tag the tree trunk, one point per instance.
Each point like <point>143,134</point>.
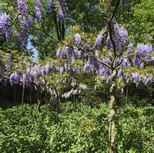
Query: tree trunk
<point>23,93</point>
<point>111,116</point>
<point>39,100</point>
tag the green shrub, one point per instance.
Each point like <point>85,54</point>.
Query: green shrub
<point>77,129</point>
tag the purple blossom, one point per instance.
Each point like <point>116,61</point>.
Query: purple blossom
<point>56,68</point>
<point>59,53</point>
<point>98,41</point>
<point>86,47</point>
<point>89,67</point>
<point>29,75</point>
<point>106,60</point>
<point>125,63</point>
<point>61,15</point>
<point>8,67</point>
<point>119,73</point>
<point>18,38</point>
<point>29,22</point>
<point>104,71</point>
<point>136,77</point>
<point>19,73</point>
<point>28,72</point>
<point>119,36</point>
<point>76,53</point>
<point>24,80</point>
<point>38,13</point>
<point>36,73</point>
<point>129,49</point>
<point>61,69</point>
<point>5,25</point>
<point>62,10</point>
<point>42,72</point>
<point>141,66</point>
<point>22,6</point>
<point>137,59</point>
<point>37,3</point>
<point>49,3</point>
<point>47,68</point>
<point>8,33</point>
<point>142,50</point>
<point>69,52</point>
<point>14,78</point>
<point>77,39</point>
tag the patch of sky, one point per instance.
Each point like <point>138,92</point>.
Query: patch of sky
<point>32,48</point>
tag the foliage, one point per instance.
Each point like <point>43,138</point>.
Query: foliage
<point>136,132</point>
<point>77,128</point>
<point>140,23</point>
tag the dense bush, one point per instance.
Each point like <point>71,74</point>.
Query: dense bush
<point>75,129</point>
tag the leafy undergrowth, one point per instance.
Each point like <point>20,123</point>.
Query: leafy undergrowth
<point>77,129</point>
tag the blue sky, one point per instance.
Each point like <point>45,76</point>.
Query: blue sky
<point>33,49</point>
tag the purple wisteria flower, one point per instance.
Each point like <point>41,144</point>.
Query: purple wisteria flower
<point>61,15</point>
<point>37,11</point>
<point>14,78</point>
<point>136,78</point>
<point>22,6</point>
<point>98,41</point>
<point>47,68</point>
<point>59,53</point>
<point>69,52</point>
<point>37,74</point>
<point>119,36</point>
<point>89,67</point>
<point>62,10</point>
<point>129,49</point>
<point>27,23</point>
<point>119,74</point>
<point>76,53</point>
<point>102,69</point>
<point>77,39</point>
<point>142,50</point>
<point>24,80</point>
<point>5,25</point>
<point>86,47</point>
<point>49,3</point>
<point>37,3</point>
<point>61,69</point>
<point>141,65</point>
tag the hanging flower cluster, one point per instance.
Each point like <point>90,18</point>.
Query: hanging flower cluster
<point>119,37</point>
<point>38,12</point>
<point>22,7</point>
<point>5,25</point>
<point>142,50</point>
